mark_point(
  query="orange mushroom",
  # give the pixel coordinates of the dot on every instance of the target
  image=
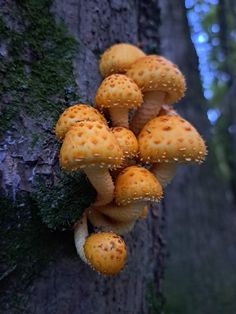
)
(134, 188)
(89, 145)
(118, 58)
(76, 113)
(118, 93)
(104, 252)
(161, 83)
(168, 141)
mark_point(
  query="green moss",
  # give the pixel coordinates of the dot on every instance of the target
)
(36, 80)
(61, 204)
(37, 74)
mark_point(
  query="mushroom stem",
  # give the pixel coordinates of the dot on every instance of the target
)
(119, 116)
(152, 102)
(80, 235)
(126, 213)
(105, 223)
(164, 172)
(101, 179)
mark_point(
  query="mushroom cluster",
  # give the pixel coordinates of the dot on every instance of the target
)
(130, 162)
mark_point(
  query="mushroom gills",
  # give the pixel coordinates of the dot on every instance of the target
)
(164, 172)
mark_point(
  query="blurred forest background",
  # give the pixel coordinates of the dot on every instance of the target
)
(207, 284)
(182, 258)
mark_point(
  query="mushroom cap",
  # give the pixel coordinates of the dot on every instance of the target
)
(127, 141)
(118, 90)
(76, 113)
(118, 58)
(170, 139)
(155, 73)
(105, 252)
(90, 143)
(136, 183)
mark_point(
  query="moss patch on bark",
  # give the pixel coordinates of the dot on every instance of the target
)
(36, 68)
(36, 73)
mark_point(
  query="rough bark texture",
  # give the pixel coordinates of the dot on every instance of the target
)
(68, 285)
(200, 213)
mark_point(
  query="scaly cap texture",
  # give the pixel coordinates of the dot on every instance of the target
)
(118, 90)
(118, 58)
(76, 113)
(135, 184)
(155, 73)
(127, 141)
(105, 252)
(170, 139)
(90, 143)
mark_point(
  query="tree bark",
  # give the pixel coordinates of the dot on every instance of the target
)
(67, 285)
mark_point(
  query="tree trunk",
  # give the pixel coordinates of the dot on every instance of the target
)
(200, 213)
(29, 151)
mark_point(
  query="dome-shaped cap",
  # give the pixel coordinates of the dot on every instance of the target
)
(127, 141)
(105, 252)
(136, 183)
(155, 73)
(76, 113)
(118, 58)
(90, 143)
(170, 139)
(118, 90)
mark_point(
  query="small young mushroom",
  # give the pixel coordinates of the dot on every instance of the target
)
(129, 145)
(118, 58)
(168, 141)
(161, 83)
(104, 252)
(127, 141)
(118, 93)
(89, 145)
(134, 187)
(76, 113)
